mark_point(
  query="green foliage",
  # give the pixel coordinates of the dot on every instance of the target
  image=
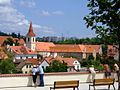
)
(7, 67)
(104, 48)
(104, 18)
(9, 41)
(90, 57)
(90, 61)
(57, 66)
(94, 41)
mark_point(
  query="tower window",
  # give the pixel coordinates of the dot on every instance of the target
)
(28, 39)
(33, 39)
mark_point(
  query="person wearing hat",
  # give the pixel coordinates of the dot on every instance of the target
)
(34, 74)
(41, 73)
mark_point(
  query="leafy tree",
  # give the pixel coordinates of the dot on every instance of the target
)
(57, 66)
(7, 67)
(9, 41)
(104, 18)
(14, 35)
(90, 57)
(16, 43)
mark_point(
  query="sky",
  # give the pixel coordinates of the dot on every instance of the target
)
(49, 17)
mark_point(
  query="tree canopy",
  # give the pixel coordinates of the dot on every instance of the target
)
(57, 66)
(104, 18)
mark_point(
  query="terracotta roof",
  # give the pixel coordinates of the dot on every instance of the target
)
(27, 61)
(30, 32)
(44, 46)
(69, 61)
(3, 55)
(21, 50)
(20, 41)
(3, 38)
(50, 47)
(22, 64)
(33, 61)
(92, 48)
(65, 48)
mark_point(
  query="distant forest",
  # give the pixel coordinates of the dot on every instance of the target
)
(93, 41)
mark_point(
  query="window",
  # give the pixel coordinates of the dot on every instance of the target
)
(29, 66)
(77, 67)
(20, 57)
(28, 39)
(33, 40)
(26, 66)
(75, 62)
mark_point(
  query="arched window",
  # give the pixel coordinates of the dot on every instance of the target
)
(33, 40)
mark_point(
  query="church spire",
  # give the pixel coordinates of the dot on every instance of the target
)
(30, 32)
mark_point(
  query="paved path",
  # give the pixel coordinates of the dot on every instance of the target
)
(82, 86)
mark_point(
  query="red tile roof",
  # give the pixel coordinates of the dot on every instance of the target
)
(20, 41)
(33, 61)
(30, 32)
(65, 48)
(22, 50)
(69, 61)
(3, 38)
(27, 61)
(91, 48)
(3, 55)
(44, 46)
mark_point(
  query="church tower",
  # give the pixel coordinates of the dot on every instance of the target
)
(30, 38)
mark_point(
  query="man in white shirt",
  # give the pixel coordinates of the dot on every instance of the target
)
(41, 72)
(92, 71)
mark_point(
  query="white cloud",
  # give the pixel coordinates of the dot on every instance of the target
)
(11, 20)
(58, 13)
(28, 4)
(45, 13)
(5, 2)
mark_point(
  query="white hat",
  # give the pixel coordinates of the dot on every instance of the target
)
(34, 66)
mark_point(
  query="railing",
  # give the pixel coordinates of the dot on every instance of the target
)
(18, 80)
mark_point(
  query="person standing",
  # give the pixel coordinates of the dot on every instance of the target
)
(41, 73)
(92, 71)
(116, 68)
(107, 71)
(34, 74)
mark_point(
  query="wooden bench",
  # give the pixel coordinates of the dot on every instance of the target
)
(101, 82)
(66, 84)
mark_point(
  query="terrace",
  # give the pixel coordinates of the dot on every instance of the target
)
(24, 81)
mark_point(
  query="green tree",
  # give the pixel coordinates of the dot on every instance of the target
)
(9, 41)
(57, 66)
(104, 18)
(7, 67)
